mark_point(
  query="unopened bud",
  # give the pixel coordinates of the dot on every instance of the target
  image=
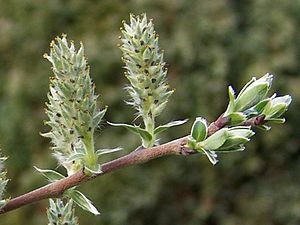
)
(253, 92)
(276, 107)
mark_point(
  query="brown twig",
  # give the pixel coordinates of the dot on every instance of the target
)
(255, 121)
(56, 189)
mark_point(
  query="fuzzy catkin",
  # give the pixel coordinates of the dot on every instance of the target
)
(145, 68)
(72, 108)
(3, 181)
(61, 214)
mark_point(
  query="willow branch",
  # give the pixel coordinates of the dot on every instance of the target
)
(56, 189)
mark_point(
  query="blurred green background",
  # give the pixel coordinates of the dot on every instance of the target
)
(208, 45)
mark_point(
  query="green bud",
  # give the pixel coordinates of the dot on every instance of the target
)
(276, 107)
(237, 136)
(224, 140)
(253, 92)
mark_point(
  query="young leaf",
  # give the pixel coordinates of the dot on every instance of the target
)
(164, 127)
(216, 140)
(132, 128)
(199, 129)
(264, 127)
(211, 155)
(145, 135)
(240, 131)
(277, 120)
(106, 151)
(259, 107)
(230, 107)
(232, 143)
(235, 149)
(83, 201)
(95, 170)
(51, 175)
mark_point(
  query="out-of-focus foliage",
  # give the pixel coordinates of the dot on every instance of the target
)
(208, 46)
